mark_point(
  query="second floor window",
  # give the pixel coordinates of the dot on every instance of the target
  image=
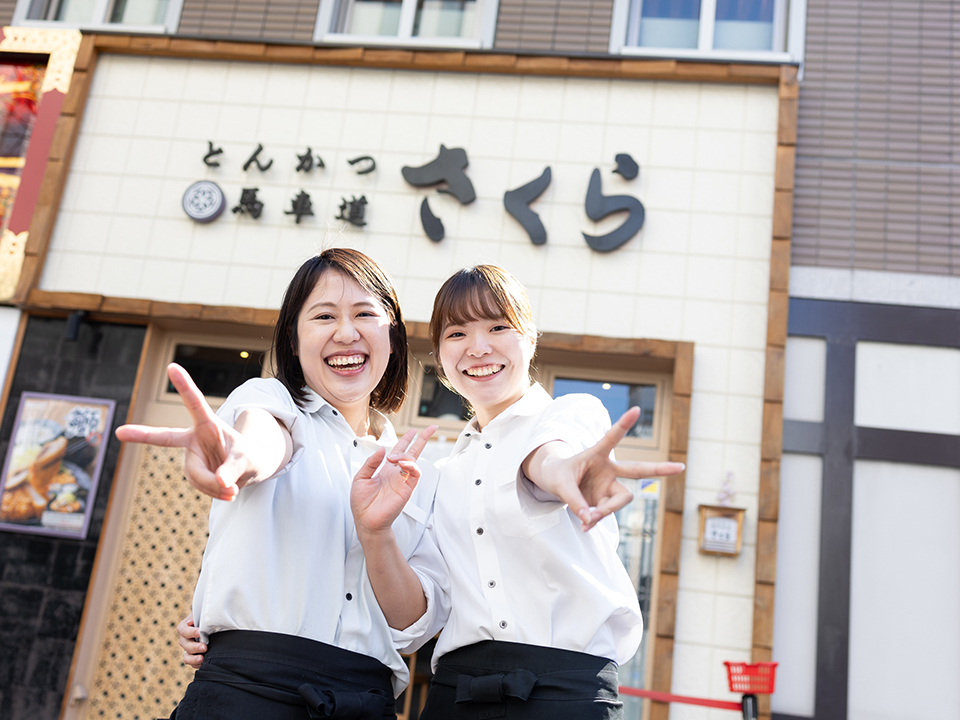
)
(456, 23)
(431, 18)
(142, 15)
(748, 29)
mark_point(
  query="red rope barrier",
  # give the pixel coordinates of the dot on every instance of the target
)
(668, 698)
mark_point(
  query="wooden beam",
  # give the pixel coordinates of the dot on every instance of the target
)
(787, 124)
(674, 486)
(763, 615)
(768, 507)
(777, 309)
(774, 374)
(772, 443)
(443, 59)
(679, 423)
(671, 538)
(766, 571)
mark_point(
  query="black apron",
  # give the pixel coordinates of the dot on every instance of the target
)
(253, 675)
(523, 682)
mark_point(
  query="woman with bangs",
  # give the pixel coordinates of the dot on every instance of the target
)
(284, 611)
(536, 611)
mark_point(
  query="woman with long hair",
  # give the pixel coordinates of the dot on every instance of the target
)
(283, 606)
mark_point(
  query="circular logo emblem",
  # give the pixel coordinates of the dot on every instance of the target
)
(203, 201)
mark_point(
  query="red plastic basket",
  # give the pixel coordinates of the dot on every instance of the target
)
(751, 678)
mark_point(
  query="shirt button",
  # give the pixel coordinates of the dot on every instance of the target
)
(466, 434)
(503, 624)
(477, 481)
(492, 583)
(355, 443)
(349, 596)
(334, 412)
(479, 531)
(488, 446)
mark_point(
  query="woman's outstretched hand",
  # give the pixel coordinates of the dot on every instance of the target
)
(588, 481)
(216, 461)
(377, 498)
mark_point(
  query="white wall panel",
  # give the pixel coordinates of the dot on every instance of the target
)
(804, 384)
(908, 387)
(798, 582)
(905, 593)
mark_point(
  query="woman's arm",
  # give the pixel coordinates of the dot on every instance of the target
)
(219, 459)
(377, 498)
(587, 481)
(397, 587)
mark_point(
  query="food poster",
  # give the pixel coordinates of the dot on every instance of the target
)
(53, 464)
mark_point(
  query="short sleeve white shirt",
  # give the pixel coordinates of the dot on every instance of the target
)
(523, 571)
(284, 556)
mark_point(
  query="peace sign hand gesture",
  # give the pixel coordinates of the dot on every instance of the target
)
(218, 460)
(588, 481)
(377, 498)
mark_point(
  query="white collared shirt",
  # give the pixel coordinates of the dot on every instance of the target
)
(518, 566)
(284, 556)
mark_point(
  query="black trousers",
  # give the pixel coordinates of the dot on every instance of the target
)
(249, 675)
(523, 682)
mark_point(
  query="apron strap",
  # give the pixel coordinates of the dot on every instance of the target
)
(323, 703)
(495, 688)
(341, 704)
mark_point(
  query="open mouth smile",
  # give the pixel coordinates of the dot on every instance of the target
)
(483, 371)
(346, 362)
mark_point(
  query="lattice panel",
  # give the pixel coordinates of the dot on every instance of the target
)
(139, 672)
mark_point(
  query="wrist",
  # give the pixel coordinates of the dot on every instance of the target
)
(370, 537)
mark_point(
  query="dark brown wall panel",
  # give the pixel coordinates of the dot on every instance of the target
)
(878, 138)
(570, 26)
(283, 20)
(6, 11)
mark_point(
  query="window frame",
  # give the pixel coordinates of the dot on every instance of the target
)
(99, 21)
(408, 416)
(655, 443)
(789, 30)
(329, 11)
(165, 397)
(545, 374)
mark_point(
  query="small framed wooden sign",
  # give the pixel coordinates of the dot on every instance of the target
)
(721, 530)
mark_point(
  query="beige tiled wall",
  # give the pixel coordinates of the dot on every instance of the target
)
(698, 270)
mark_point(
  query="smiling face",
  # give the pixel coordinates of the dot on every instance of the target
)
(484, 337)
(343, 343)
(488, 363)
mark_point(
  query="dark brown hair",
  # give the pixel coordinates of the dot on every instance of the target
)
(483, 292)
(388, 396)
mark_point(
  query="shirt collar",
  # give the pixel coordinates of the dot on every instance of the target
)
(381, 430)
(311, 401)
(533, 400)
